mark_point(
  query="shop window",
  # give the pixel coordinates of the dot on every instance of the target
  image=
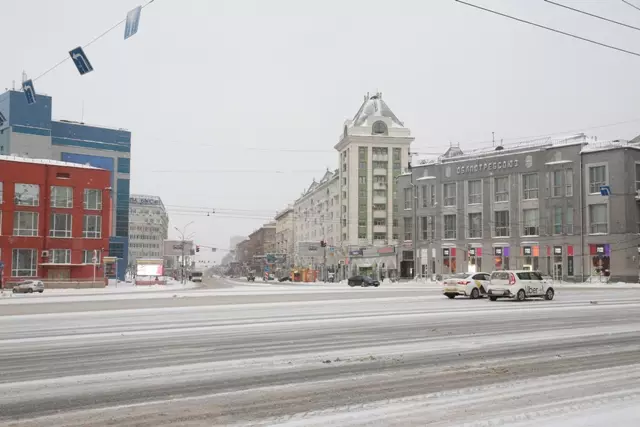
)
(449, 261)
(475, 260)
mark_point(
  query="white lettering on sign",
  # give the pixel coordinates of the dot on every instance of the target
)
(488, 166)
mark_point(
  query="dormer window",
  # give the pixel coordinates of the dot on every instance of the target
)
(379, 128)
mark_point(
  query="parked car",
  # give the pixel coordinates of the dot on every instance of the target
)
(29, 286)
(472, 285)
(251, 277)
(284, 279)
(363, 281)
(519, 284)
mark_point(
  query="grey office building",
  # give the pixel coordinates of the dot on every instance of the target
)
(533, 205)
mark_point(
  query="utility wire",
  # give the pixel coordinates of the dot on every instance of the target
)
(630, 4)
(549, 28)
(593, 15)
(95, 39)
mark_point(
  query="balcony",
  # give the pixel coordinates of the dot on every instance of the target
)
(379, 228)
(379, 186)
(379, 200)
(380, 172)
(379, 214)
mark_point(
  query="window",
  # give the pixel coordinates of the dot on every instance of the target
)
(475, 225)
(432, 194)
(596, 178)
(568, 182)
(27, 194)
(501, 189)
(379, 236)
(60, 256)
(425, 199)
(24, 263)
(449, 226)
(361, 180)
(379, 221)
(25, 223)
(61, 197)
(557, 220)
(1, 192)
(569, 221)
(501, 223)
(531, 222)
(60, 225)
(379, 128)
(362, 235)
(363, 165)
(92, 199)
(530, 186)
(407, 198)
(396, 154)
(363, 194)
(598, 222)
(556, 183)
(408, 228)
(475, 192)
(92, 227)
(449, 191)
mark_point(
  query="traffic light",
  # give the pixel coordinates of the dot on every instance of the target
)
(323, 243)
(197, 248)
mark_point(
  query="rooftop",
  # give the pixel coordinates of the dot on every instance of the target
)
(48, 162)
(372, 108)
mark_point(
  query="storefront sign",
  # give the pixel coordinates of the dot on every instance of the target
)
(487, 166)
(445, 252)
(557, 250)
(387, 250)
(356, 252)
(600, 249)
(526, 250)
(472, 251)
(497, 251)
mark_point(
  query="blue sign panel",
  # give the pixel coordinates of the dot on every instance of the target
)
(1, 265)
(80, 59)
(131, 25)
(605, 190)
(29, 91)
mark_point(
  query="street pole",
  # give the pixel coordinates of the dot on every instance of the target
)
(416, 261)
(324, 264)
(182, 240)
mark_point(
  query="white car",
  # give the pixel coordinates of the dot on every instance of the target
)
(29, 286)
(519, 284)
(472, 285)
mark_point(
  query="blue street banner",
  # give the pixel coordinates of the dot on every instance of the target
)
(132, 22)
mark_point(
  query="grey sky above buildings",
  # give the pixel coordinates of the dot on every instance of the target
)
(212, 85)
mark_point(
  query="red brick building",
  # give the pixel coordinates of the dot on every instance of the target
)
(53, 216)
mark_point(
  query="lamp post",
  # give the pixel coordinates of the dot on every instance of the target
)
(182, 239)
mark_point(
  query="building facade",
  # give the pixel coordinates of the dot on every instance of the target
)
(284, 233)
(29, 131)
(55, 218)
(534, 205)
(148, 227)
(373, 151)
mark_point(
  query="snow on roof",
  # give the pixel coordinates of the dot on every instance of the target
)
(373, 107)
(609, 145)
(49, 162)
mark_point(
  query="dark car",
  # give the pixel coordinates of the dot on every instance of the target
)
(363, 281)
(251, 277)
(284, 279)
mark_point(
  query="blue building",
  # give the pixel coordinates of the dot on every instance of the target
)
(28, 130)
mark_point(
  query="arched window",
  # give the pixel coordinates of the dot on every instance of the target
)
(379, 128)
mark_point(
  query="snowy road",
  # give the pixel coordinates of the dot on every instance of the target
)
(316, 356)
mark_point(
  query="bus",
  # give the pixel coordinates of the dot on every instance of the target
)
(196, 276)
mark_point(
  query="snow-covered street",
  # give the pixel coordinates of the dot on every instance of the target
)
(319, 355)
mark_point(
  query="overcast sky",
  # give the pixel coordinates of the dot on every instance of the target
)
(209, 86)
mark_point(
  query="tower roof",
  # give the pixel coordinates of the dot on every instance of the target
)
(372, 108)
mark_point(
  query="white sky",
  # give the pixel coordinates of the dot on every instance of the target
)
(214, 85)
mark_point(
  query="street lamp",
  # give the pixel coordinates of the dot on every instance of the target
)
(182, 233)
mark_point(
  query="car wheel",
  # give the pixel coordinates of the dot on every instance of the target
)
(493, 298)
(521, 296)
(475, 293)
(451, 296)
(549, 294)
(14, 290)
(29, 291)
(41, 291)
(377, 285)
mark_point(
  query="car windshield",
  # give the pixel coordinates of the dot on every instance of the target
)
(459, 276)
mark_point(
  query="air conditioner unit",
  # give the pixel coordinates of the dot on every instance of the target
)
(45, 254)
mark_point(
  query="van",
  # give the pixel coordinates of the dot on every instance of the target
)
(519, 284)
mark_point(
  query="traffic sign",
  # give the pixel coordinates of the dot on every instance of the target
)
(605, 190)
(266, 269)
(80, 59)
(29, 91)
(131, 25)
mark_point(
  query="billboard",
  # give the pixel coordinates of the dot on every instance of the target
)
(149, 270)
(310, 249)
(175, 248)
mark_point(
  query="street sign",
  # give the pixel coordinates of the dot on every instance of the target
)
(1, 265)
(80, 59)
(266, 269)
(605, 190)
(131, 25)
(29, 91)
